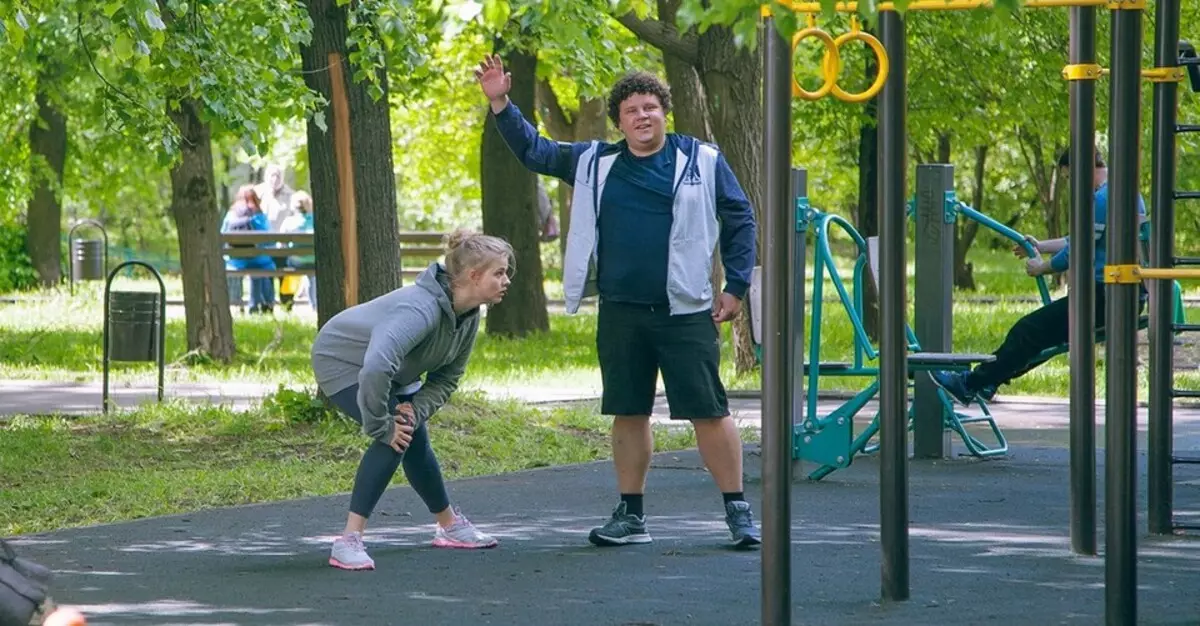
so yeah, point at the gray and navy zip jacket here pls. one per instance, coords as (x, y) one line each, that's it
(707, 206)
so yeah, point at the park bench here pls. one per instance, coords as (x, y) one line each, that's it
(417, 251)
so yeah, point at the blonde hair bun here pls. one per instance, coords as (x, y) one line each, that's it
(457, 238)
(467, 249)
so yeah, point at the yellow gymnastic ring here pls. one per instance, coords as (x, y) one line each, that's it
(830, 50)
(833, 64)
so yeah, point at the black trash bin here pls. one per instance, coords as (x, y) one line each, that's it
(87, 259)
(134, 325)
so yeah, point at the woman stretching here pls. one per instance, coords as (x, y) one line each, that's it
(369, 360)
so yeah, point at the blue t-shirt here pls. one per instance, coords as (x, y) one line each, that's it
(1062, 259)
(635, 227)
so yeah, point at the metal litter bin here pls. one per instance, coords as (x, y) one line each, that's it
(134, 326)
(89, 257)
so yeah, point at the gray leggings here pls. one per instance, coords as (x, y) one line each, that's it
(380, 461)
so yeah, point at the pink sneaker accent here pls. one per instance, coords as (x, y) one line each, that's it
(349, 553)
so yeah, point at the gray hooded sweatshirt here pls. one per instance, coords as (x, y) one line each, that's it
(386, 344)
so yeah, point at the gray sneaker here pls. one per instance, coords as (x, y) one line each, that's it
(350, 553)
(462, 534)
(622, 529)
(741, 524)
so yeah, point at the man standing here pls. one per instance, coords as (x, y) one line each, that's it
(646, 216)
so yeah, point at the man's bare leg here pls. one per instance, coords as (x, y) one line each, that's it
(721, 448)
(632, 445)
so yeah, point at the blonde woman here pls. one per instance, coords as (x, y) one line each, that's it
(369, 360)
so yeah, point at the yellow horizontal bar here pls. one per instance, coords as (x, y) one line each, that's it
(1169, 273)
(1084, 71)
(1133, 274)
(959, 5)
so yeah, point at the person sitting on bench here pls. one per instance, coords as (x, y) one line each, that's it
(1046, 327)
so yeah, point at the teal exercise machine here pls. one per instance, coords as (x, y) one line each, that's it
(831, 438)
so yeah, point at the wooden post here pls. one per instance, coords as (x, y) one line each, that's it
(345, 171)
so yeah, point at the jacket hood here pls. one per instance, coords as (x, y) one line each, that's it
(436, 281)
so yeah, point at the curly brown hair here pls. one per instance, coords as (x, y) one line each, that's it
(637, 83)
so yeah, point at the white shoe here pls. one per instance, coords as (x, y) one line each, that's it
(349, 553)
(462, 534)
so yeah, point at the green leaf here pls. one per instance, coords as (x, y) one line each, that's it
(20, 18)
(16, 34)
(153, 20)
(123, 47)
(319, 120)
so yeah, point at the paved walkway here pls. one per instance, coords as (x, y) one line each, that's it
(988, 544)
(75, 398)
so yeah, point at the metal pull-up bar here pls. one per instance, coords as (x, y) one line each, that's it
(961, 5)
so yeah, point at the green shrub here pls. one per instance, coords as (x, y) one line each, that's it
(16, 269)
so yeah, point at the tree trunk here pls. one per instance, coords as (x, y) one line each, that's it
(351, 172)
(510, 209)
(943, 147)
(198, 223)
(732, 79)
(687, 94)
(964, 273)
(48, 147)
(868, 197)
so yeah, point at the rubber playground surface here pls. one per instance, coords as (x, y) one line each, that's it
(988, 544)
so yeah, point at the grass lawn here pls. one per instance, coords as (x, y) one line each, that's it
(59, 473)
(53, 336)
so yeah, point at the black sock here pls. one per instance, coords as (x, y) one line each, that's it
(733, 496)
(633, 503)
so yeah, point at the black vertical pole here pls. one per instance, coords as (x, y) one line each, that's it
(1083, 286)
(776, 372)
(1120, 560)
(1162, 250)
(934, 299)
(893, 344)
(795, 319)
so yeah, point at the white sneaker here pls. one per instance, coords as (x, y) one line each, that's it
(462, 534)
(349, 553)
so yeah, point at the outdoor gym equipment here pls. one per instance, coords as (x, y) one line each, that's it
(831, 62)
(830, 440)
(1120, 459)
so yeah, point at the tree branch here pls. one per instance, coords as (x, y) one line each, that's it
(663, 36)
(555, 118)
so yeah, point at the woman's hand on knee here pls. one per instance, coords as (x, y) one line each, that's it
(402, 436)
(406, 413)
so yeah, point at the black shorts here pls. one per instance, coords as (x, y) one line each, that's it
(636, 341)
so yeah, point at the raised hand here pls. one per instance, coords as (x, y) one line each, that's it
(494, 81)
